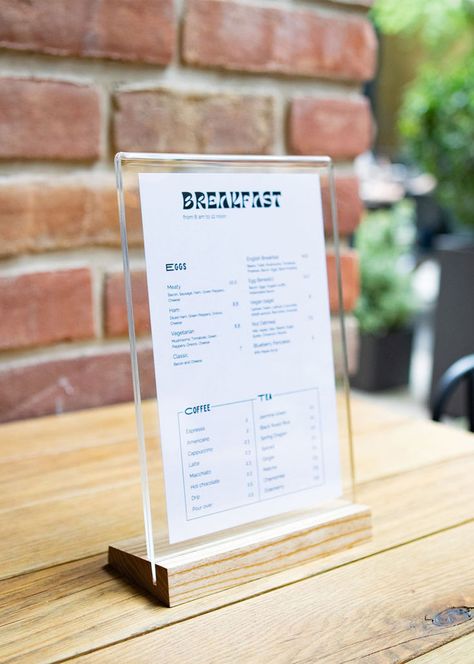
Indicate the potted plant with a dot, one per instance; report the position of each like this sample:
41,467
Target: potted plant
386,304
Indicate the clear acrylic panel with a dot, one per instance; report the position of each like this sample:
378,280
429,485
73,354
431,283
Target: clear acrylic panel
128,168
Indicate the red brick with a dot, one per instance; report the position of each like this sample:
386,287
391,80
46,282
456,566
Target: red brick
46,119
340,128
243,37
349,276
43,214
42,308
116,322
348,202
39,214
58,386
168,121
351,329
136,30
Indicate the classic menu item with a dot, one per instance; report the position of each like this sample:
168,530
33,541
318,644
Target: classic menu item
240,323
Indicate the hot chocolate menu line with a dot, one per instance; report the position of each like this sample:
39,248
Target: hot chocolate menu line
242,347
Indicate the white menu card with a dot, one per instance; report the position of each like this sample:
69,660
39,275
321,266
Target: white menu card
240,322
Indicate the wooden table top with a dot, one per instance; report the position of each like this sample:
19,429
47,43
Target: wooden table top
70,486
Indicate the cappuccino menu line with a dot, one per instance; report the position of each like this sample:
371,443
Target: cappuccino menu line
240,323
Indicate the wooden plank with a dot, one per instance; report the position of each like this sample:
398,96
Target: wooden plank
383,442
228,563
54,434
375,610
43,450
383,452
69,609
76,503
460,651
36,480
368,415
59,474
55,531
406,446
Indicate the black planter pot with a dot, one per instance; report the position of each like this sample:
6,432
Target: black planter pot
384,361
454,318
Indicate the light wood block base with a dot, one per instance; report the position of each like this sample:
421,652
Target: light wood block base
230,562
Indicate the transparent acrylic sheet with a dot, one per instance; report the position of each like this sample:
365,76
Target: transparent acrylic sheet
128,167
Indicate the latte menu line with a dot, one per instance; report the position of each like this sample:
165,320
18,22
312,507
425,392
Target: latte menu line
240,321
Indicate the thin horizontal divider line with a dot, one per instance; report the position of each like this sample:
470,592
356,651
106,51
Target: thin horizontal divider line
284,394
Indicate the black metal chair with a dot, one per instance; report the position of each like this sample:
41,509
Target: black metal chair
461,370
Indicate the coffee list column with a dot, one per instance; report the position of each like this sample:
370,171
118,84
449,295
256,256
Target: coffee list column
218,457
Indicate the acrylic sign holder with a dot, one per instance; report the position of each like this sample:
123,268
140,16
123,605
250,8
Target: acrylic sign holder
182,571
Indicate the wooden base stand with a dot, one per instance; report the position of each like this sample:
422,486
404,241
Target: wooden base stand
231,562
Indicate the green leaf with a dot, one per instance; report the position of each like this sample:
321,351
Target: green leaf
383,239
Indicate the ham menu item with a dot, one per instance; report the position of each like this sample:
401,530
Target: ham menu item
240,321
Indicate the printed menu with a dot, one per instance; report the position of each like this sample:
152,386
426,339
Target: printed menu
240,321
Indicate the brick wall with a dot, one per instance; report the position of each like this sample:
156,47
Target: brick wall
79,81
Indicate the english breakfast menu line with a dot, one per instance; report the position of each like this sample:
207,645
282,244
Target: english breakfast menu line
240,321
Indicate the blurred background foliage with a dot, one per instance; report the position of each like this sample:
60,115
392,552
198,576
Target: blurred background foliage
441,25
436,114
384,241
437,125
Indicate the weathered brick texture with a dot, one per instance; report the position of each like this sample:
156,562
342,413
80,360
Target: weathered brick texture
62,385
42,308
256,38
348,203
349,276
39,214
167,121
352,344
70,107
48,119
340,128
44,214
115,310
136,30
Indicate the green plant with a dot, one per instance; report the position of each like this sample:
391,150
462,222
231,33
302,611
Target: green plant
441,25
383,240
437,114
437,123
